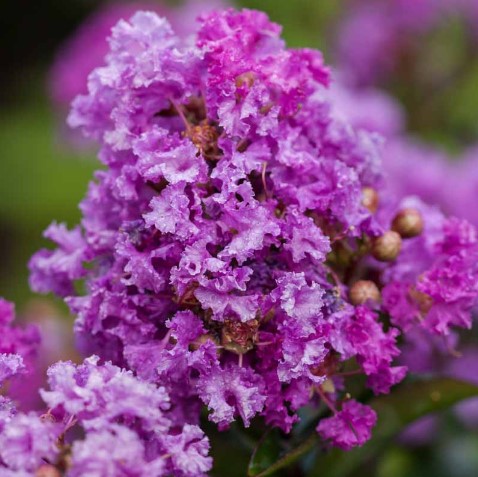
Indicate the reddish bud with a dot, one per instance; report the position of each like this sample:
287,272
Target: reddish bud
204,136
424,301
239,337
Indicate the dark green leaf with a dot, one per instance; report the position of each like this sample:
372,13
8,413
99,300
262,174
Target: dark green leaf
265,454
266,460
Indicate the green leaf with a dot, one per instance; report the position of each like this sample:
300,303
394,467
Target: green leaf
266,459
395,411
265,454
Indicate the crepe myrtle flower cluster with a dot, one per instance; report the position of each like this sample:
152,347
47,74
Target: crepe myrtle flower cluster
238,250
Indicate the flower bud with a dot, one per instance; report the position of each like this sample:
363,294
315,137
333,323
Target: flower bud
204,136
387,247
47,470
239,337
364,291
408,223
328,367
370,199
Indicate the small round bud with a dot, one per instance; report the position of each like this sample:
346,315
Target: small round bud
370,199
47,470
387,247
364,291
408,223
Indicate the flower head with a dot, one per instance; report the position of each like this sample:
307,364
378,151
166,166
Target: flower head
219,243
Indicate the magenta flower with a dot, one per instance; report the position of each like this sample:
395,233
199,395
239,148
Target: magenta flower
349,427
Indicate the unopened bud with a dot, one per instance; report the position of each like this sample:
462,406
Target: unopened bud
364,291
387,247
370,199
47,470
408,223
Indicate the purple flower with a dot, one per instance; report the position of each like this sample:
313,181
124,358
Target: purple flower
232,390
10,365
117,451
349,427
23,341
19,355
56,270
375,350
100,395
122,426
219,245
26,441
189,451
7,411
436,279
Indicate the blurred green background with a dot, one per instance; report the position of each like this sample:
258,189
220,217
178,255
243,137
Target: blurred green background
43,178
